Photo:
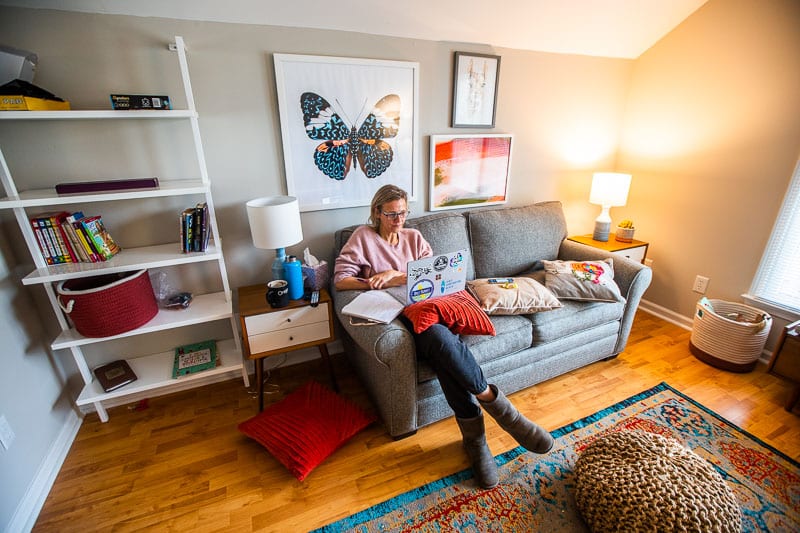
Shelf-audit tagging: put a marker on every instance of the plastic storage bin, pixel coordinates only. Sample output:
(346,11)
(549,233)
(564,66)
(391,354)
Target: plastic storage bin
(729,335)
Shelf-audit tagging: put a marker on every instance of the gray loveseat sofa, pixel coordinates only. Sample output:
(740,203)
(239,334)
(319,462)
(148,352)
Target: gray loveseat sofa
(527,349)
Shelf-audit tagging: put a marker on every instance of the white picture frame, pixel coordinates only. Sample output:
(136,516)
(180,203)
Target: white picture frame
(469,170)
(354,89)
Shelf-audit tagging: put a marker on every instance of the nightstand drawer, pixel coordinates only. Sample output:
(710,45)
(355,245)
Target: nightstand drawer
(290,318)
(634,254)
(290,336)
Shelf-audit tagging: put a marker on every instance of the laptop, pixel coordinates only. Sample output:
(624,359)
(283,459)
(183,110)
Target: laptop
(435,276)
(431,277)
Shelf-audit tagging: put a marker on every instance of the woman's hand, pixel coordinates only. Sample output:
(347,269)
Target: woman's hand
(389,278)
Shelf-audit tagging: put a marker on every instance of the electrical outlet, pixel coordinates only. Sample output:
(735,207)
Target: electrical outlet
(6,433)
(648,262)
(700,284)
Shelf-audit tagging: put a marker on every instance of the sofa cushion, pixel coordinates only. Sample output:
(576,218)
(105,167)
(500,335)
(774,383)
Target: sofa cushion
(513,333)
(446,232)
(582,280)
(537,230)
(523,296)
(459,312)
(573,317)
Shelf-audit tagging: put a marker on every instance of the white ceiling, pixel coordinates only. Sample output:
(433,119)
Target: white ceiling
(610,28)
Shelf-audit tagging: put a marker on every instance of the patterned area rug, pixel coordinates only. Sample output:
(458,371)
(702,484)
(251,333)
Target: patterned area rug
(535,491)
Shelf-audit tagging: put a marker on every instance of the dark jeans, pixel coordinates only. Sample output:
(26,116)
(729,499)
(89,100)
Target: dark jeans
(460,376)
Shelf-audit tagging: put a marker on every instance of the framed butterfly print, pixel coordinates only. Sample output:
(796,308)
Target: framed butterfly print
(469,170)
(475,81)
(348,127)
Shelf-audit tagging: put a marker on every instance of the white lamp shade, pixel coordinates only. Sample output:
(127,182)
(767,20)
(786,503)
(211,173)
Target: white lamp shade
(274,222)
(610,189)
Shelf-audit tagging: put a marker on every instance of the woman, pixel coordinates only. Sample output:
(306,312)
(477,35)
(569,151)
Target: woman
(375,257)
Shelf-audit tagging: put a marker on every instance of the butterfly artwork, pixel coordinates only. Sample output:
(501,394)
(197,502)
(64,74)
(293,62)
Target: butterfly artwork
(343,146)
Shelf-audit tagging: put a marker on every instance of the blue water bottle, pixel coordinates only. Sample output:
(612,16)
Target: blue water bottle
(294,276)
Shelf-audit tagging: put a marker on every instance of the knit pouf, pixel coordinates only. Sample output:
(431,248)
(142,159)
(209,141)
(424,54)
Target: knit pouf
(639,481)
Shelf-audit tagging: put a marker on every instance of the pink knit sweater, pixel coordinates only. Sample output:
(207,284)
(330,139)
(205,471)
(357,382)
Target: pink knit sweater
(366,253)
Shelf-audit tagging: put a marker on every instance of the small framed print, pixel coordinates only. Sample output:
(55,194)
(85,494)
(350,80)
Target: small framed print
(194,358)
(475,81)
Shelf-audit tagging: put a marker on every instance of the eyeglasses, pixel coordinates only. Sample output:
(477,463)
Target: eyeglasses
(396,214)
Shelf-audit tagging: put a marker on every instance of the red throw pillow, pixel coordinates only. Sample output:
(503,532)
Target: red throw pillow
(306,427)
(460,312)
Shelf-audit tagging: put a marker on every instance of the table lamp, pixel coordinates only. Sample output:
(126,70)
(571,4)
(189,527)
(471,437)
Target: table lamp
(609,189)
(274,225)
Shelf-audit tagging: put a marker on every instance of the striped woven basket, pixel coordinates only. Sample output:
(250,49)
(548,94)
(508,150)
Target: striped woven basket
(729,335)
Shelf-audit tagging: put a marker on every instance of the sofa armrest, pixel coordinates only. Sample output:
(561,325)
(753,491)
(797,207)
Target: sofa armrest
(631,277)
(385,358)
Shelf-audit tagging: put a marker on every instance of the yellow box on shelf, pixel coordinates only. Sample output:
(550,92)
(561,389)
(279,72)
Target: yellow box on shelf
(28,103)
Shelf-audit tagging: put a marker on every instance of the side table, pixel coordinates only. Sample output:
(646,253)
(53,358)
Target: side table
(635,250)
(785,360)
(268,331)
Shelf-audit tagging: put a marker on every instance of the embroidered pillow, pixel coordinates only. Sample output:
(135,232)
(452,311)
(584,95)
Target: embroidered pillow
(582,280)
(304,428)
(523,297)
(459,312)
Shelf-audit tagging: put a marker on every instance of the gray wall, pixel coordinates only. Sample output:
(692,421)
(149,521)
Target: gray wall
(568,114)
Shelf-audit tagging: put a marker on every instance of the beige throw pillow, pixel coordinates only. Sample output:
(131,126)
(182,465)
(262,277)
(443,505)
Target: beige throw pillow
(582,280)
(528,296)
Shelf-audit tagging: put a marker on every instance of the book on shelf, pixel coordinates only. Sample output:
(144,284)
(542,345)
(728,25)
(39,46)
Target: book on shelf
(194,228)
(72,238)
(101,239)
(78,187)
(115,375)
(193,358)
(53,242)
(80,232)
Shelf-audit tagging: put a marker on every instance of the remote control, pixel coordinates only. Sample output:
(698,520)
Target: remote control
(314,298)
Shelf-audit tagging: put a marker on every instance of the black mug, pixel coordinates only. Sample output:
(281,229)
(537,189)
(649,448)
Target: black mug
(278,293)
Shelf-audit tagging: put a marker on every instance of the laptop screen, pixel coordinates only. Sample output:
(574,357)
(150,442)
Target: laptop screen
(435,276)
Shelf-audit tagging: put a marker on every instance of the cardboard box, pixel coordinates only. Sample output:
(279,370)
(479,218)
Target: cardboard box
(18,102)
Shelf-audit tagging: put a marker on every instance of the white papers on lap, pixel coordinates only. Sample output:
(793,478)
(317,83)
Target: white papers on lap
(376,305)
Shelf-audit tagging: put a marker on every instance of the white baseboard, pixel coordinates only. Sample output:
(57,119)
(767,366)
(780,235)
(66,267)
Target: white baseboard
(665,314)
(28,509)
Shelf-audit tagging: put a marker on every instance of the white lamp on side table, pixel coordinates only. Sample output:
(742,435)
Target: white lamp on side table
(609,189)
(274,225)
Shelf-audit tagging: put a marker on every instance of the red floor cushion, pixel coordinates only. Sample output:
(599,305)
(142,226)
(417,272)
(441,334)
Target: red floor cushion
(304,428)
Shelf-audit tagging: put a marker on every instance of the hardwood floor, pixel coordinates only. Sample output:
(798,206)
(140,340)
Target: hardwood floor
(181,465)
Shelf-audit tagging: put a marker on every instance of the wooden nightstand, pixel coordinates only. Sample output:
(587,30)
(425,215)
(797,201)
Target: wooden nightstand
(267,331)
(636,250)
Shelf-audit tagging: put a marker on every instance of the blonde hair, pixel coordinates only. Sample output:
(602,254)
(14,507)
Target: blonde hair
(384,195)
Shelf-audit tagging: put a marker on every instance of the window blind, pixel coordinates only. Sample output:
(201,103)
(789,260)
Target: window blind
(778,278)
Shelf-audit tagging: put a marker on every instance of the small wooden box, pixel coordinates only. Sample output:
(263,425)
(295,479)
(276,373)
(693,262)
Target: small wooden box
(786,358)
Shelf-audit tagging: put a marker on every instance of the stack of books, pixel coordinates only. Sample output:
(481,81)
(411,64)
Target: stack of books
(72,238)
(195,230)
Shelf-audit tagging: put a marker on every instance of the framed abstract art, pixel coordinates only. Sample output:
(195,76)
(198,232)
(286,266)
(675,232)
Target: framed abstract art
(475,81)
(469,170)
(348,127)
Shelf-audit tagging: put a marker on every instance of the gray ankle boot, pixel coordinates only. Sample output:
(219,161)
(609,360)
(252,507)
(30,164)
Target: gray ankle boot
(480,457)
(528,434)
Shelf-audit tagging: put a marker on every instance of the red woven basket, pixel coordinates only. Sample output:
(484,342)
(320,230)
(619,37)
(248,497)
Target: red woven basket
(103,306)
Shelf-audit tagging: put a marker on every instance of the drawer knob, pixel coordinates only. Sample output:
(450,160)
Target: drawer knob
(291,338)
